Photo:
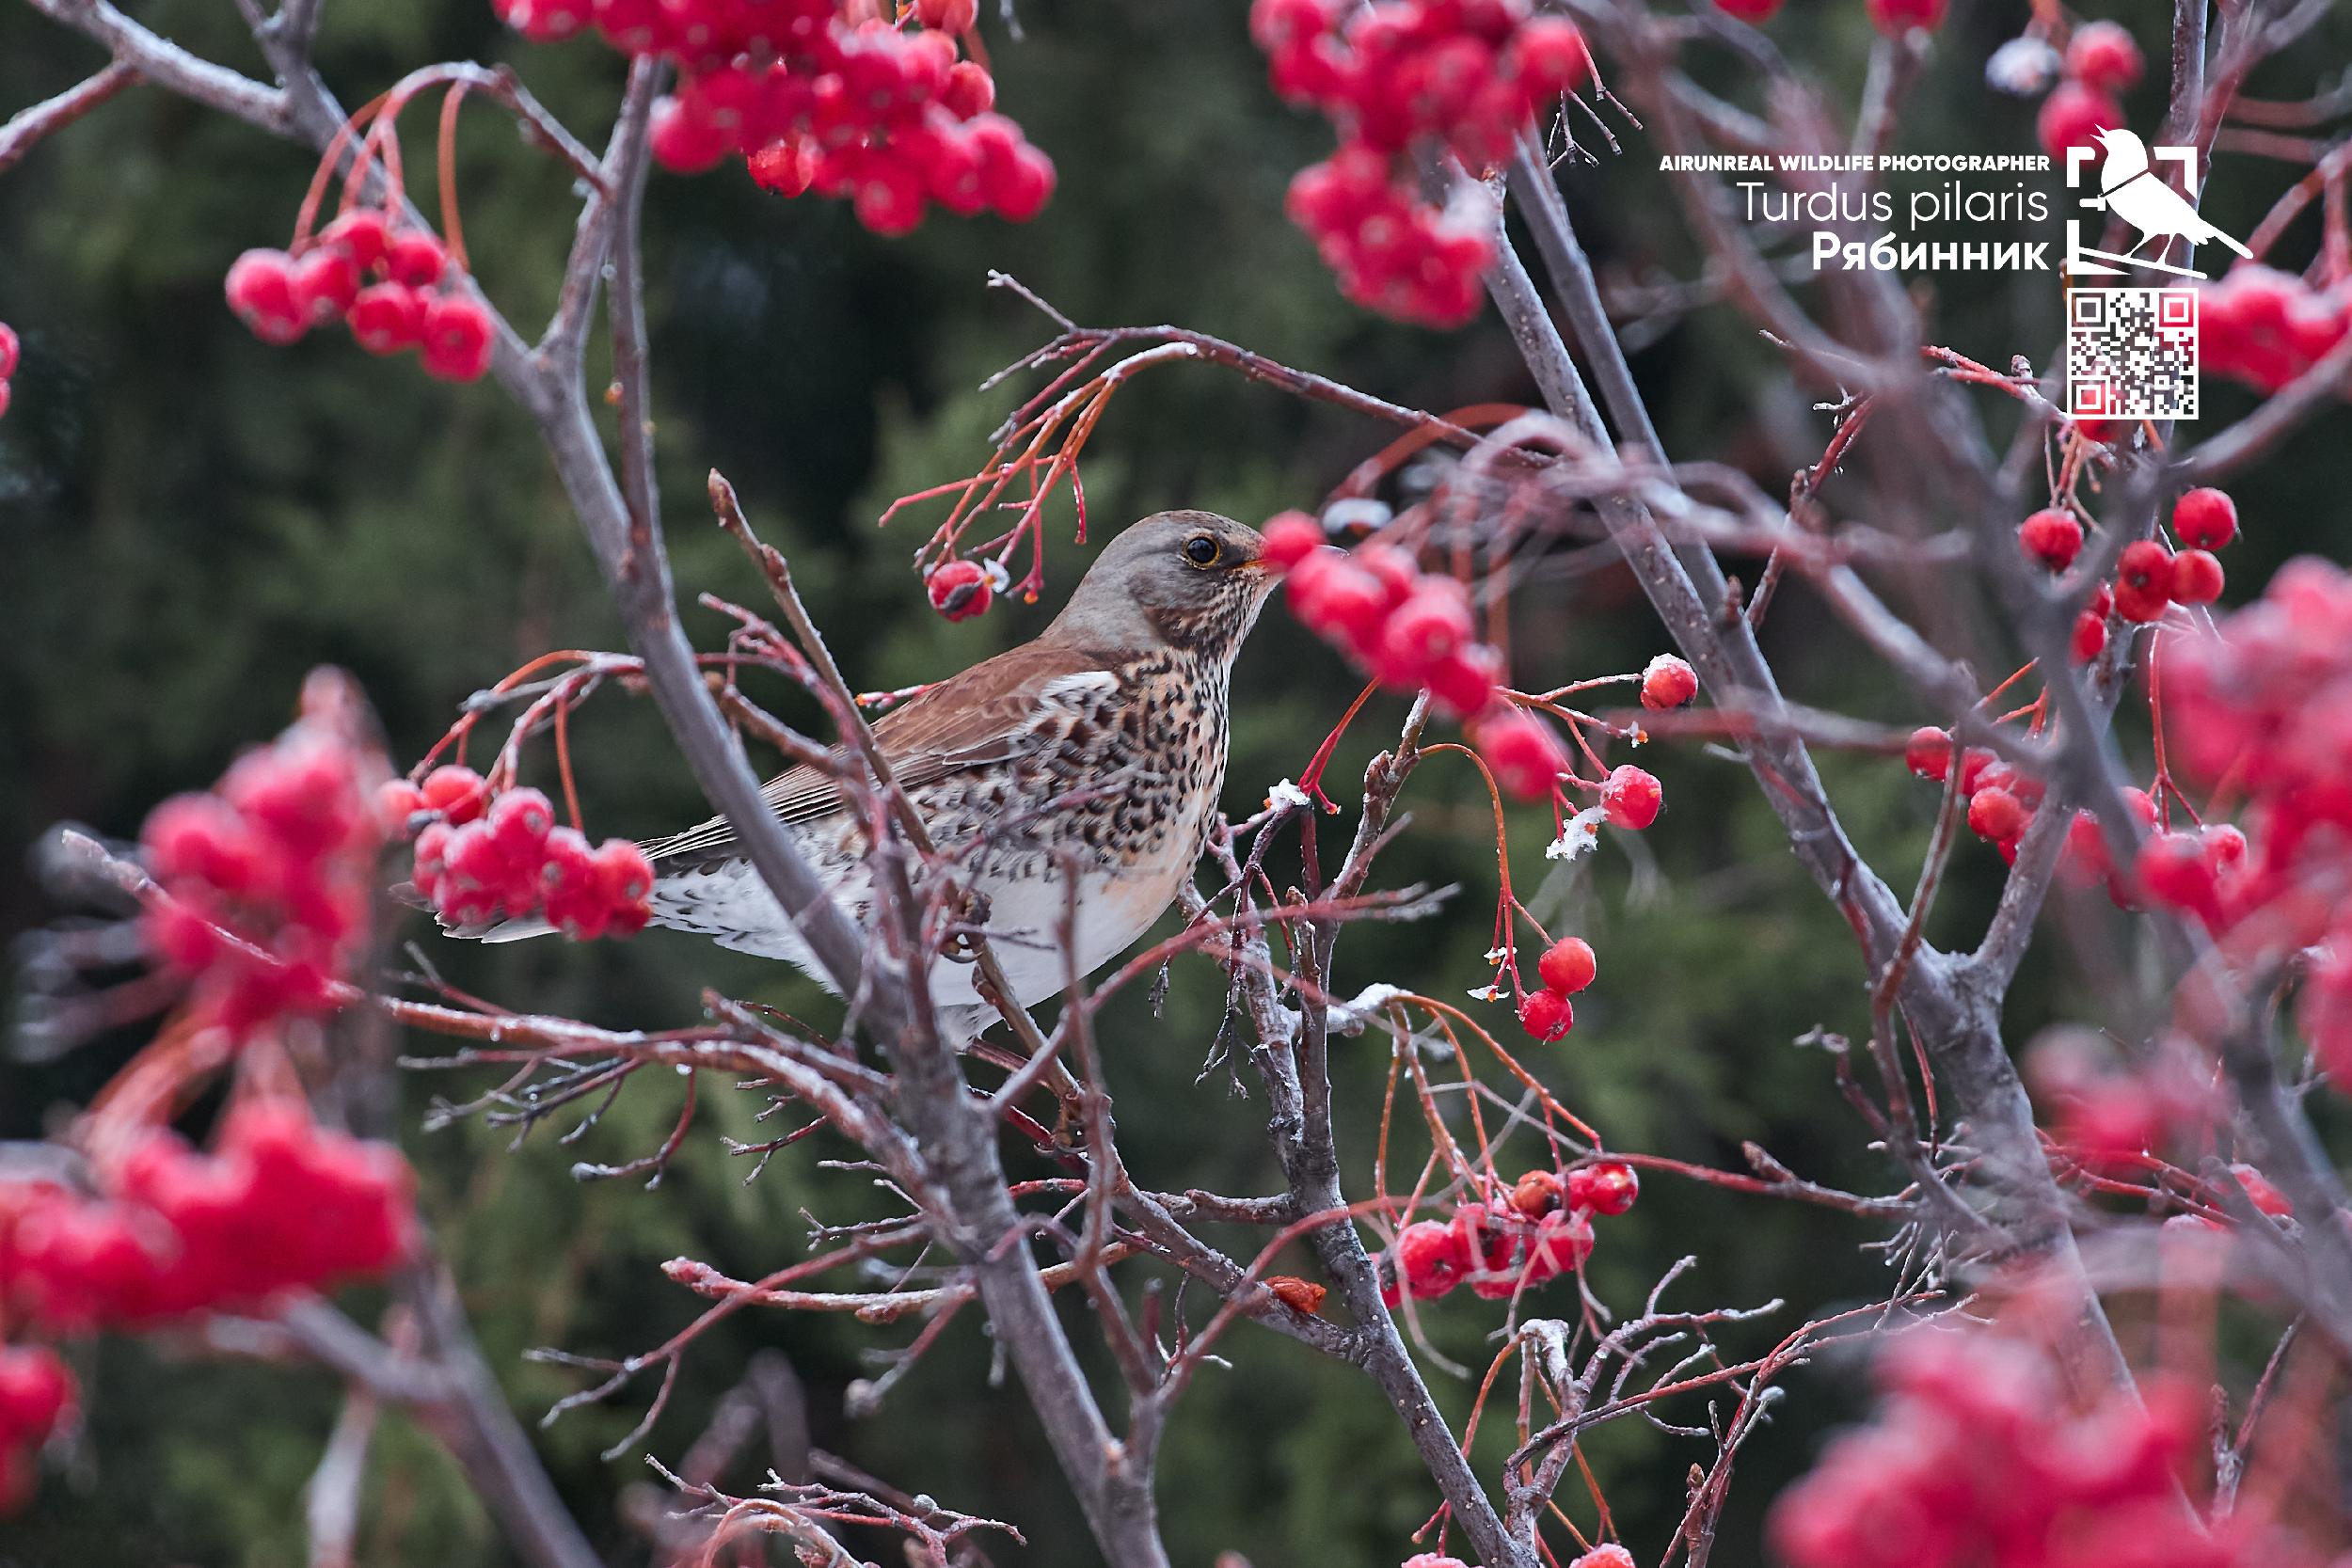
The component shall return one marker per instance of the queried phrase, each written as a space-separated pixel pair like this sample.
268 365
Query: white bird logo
2128 188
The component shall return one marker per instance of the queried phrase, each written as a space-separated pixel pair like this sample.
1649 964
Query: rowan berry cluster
1397 78
1409 629
1567 967
283 1206
269 877
396 286
8 353
890 117
1511 1240
35 1395
2101 1112
2263 704
2265 328
2101 61
1976 1457
482 858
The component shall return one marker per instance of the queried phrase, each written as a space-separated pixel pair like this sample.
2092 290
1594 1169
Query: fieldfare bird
1098 749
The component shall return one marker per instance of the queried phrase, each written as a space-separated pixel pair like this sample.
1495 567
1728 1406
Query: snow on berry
1667 681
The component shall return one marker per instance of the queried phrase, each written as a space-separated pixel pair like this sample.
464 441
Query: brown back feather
976 718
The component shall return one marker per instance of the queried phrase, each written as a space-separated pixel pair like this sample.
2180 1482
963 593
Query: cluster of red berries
8 352
2263 704
1510 1241
960 589
2101 1113
35 1395
481 858
2150 577
890 117
1409 629
1567 967
397 288
1976 1458
1394 77
269 878
2265 328
2101 61
283 1206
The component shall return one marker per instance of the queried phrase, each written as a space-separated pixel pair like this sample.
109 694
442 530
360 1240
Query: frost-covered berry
1668 683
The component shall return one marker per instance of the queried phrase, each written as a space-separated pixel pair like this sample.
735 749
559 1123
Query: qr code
2131 354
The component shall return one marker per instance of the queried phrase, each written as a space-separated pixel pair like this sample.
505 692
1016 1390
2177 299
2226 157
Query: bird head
1190 579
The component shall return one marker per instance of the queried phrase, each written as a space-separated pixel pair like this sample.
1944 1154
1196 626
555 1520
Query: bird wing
984 715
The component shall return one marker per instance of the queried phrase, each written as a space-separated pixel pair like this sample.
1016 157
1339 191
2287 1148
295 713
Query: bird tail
478 930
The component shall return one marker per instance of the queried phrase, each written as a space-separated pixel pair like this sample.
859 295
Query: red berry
1428 627
2197 577
2052 537
889 201
1020 190
362 233
1568 965
9 351
684 140
960 589
1535 1195
1928 753
970 91
2143 580
458 340
2261 1191
1750 10
396 801
2072 116
1668 683
1607 1188
2202 519
949 16
325 281
1524 754
1463 683
260 290
2102 55
1429 1259
2173 870
387 318
1632 798
457 792
1563 1239
1545 1015
1996 815
415 257
2091 636
4 397
35 1391
1552 58
624 876
785 166
1896 17
1291 537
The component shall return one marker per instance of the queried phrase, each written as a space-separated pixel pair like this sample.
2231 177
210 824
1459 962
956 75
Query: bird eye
1203 550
